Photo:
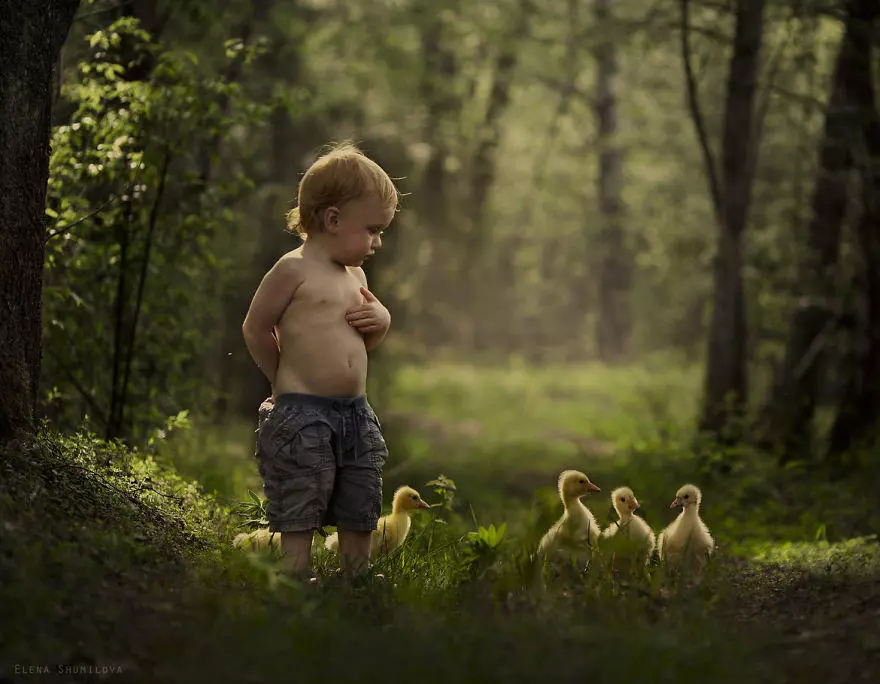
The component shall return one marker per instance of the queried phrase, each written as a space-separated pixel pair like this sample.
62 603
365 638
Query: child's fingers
362 308
363 316
362 323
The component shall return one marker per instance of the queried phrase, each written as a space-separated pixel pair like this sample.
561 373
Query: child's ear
331 219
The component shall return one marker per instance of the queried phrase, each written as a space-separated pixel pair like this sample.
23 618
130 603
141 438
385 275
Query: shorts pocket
307 450
276 429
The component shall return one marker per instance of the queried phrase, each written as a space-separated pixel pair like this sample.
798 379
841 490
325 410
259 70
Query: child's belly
326 357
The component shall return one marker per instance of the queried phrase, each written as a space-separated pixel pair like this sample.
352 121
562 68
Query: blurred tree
615 262
815 320
726 389
477 255
32 34
858 419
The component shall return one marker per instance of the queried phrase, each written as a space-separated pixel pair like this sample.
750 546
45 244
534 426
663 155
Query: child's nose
377 241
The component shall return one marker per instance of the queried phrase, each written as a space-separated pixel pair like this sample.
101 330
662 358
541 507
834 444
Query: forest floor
115 568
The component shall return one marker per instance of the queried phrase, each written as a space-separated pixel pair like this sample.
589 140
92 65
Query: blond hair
342 174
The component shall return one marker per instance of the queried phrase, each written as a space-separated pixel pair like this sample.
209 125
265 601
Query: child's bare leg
354 551
297 550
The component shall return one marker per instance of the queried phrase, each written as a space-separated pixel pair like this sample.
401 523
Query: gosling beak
634 504
592 487
676 504
423 504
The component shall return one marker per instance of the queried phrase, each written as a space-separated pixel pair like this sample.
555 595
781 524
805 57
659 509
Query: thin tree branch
697 115
154 213
119 310
63 229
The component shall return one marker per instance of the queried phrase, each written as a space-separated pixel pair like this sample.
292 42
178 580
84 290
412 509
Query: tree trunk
856 424
436 318
483 311
726 384
789 417
615 262
31 34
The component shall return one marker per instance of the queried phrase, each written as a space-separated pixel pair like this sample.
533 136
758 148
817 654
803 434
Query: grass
109 556
517 403
101 566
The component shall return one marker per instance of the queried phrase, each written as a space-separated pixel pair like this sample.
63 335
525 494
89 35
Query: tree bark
858 419
439 70
483 310
615 267
726 383
31 34
789 417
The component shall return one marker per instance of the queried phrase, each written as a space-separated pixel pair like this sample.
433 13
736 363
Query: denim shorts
321 460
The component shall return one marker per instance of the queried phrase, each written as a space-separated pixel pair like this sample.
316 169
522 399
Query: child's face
356 230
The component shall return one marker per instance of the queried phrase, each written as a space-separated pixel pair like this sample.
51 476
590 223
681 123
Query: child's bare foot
305 578
361 580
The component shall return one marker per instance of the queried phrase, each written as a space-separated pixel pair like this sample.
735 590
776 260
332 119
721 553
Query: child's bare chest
329 293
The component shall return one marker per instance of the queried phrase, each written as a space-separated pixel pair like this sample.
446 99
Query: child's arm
270 300
371 319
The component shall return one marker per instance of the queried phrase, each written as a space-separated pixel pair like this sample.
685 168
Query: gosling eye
413 497
581 481
622 499
685 496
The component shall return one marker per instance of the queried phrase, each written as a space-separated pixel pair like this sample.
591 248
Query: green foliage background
232 106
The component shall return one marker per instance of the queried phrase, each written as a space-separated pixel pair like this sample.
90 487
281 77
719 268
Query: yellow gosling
686 542
577 529
392 529
258 540
630 535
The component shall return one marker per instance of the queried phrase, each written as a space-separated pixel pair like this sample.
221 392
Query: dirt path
823 627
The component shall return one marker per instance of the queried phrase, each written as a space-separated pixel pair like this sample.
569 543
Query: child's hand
370 316
266 407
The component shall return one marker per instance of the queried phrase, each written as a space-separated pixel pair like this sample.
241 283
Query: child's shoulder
291 262
292 255
289 271
358 273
